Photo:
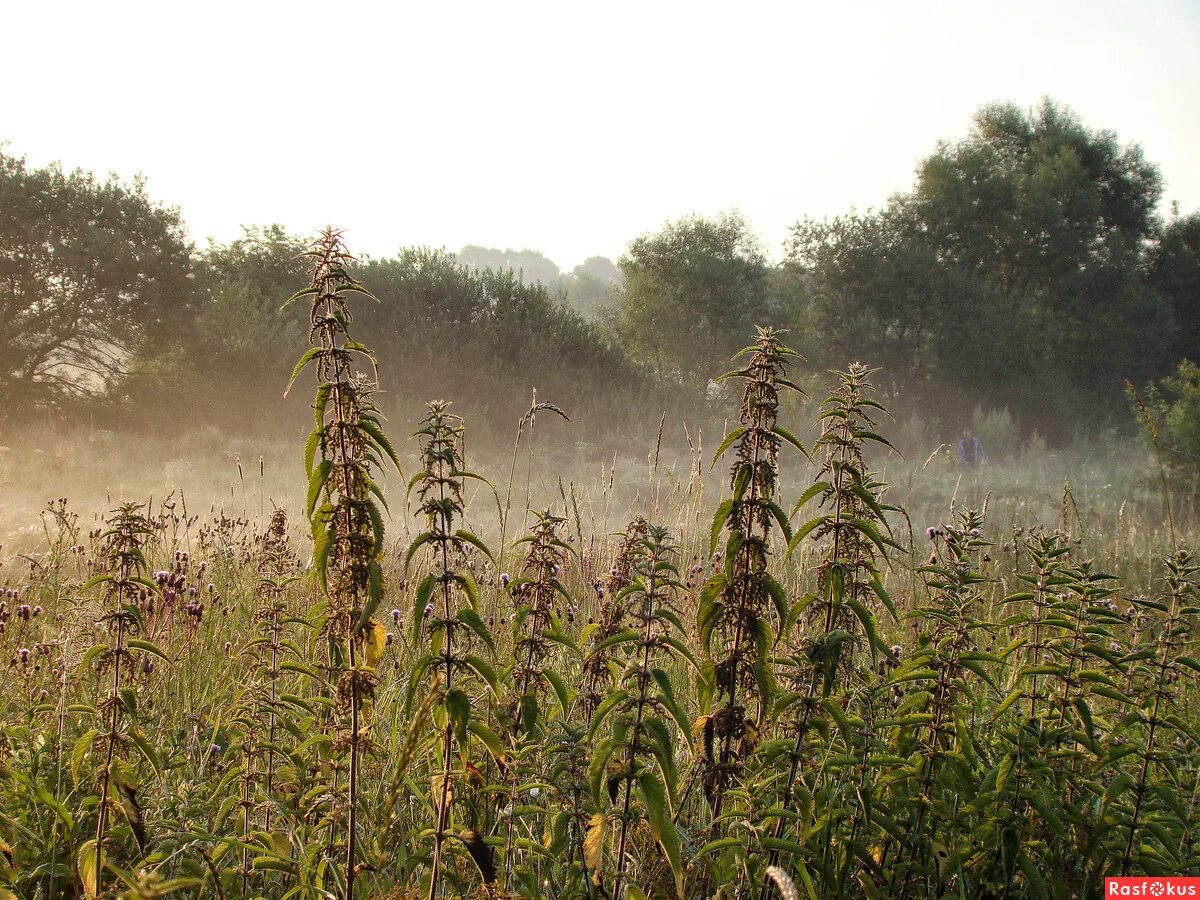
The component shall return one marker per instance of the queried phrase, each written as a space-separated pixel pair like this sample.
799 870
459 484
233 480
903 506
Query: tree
591 283
532 265
691 294
229 360
1058 218
1012 274
90 272
1175 274
1175 409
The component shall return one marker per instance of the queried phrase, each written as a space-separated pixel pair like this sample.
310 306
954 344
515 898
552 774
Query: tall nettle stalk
123 585
448 599
342 456
854 528
633 759
743 604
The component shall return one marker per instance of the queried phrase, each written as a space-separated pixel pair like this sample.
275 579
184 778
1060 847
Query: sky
567 127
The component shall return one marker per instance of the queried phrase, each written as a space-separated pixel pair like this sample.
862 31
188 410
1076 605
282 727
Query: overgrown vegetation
799 696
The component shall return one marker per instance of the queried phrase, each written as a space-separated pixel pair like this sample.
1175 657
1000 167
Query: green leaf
310 450
804 531
667 699
724 510
309 355
560 688
662 826
82 746
89 861
420 600
418 542
381 441
725 444
1004 771
1008 701
475 542
884 597
781 519
781 432
458 710
606 706
316 481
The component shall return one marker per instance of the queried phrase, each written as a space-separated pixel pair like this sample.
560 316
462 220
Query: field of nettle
795 696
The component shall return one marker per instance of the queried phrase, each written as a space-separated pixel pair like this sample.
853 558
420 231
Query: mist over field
856 567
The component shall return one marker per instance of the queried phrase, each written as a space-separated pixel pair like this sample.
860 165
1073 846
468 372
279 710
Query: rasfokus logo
1149 886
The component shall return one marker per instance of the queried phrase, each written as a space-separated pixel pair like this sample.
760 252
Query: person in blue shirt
970 451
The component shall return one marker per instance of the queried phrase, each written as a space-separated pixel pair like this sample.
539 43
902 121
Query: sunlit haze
569 128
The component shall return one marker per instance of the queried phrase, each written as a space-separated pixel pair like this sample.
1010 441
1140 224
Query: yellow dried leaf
593 845
88 862
374 642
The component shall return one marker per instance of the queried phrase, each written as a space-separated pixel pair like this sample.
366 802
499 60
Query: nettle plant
837 618
124 586
633 773
941 676
1157 817
743 605
447 611
344 452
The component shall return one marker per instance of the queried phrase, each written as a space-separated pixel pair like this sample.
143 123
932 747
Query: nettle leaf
88 862
804 531
593 845
374 643
309 355
458 709
724 510
727 443
382 442
662 825
560 688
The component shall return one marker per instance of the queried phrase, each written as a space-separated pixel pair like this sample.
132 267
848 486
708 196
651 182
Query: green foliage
978 719
344 509
743 605
688 292
1174 271
634 729
1174 404
90 272
451 616
1032 225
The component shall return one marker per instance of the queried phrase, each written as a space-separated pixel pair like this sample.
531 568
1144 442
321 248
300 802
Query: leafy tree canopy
90 272
690 294
1013 271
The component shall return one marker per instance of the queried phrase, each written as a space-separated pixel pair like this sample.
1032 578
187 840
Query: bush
1174 404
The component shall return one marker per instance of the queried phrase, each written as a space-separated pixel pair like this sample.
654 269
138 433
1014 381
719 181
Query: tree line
1028 267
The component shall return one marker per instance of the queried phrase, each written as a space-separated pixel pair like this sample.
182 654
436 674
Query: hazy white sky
568 127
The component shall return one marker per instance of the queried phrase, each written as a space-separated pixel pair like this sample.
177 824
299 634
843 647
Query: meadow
793 664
